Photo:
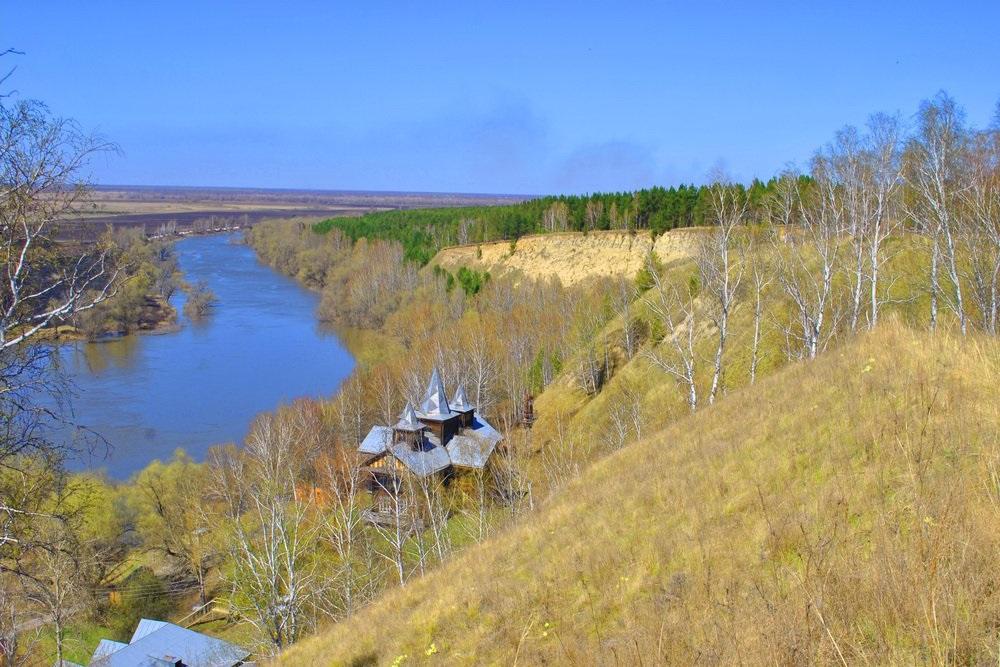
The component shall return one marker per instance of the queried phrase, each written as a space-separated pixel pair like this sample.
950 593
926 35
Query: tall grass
845 511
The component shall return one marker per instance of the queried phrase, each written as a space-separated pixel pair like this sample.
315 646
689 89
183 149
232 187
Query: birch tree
394 523
274 573
981 236
809 256
344 530
675 354
720 271
623 296
760 280
883 152
42 283
935 177
625 417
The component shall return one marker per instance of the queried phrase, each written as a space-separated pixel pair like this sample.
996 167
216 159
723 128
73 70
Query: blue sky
509 97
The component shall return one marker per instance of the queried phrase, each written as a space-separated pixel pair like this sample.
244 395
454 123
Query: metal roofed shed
157 643
145 627
107 647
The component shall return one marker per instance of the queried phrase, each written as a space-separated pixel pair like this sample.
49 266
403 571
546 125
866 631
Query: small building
162 644
439 438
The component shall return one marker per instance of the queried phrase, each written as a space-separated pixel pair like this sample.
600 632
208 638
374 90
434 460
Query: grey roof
459 402
483 429
473 447
107 647
145 627
408 419
424 461
169 643
470 448
470 451
377 440
434 404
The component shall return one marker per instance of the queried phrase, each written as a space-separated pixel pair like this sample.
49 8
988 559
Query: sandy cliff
572 257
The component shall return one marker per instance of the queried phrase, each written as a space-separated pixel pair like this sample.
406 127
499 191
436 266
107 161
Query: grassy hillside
844 510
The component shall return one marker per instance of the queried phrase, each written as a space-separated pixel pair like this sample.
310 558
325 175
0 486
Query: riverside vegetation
782 447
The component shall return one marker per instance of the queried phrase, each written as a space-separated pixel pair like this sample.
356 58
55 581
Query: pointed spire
459 402
435 403
408 419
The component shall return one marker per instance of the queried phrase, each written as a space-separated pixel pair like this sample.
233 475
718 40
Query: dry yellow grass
842 511
573 257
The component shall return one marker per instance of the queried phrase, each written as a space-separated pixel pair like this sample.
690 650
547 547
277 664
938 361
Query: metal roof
470 451
166 643
483 429
422 462
459 402
106 647
377 440
434 404
145 627
408 419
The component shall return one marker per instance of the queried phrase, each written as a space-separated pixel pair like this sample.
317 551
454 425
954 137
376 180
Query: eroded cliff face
573 257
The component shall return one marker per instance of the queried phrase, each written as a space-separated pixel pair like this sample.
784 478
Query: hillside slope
845 510
573 257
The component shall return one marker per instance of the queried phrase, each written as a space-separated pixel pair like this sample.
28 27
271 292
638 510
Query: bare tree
886 178
43 282
41 157
782 201
866 170
564 457
480 365
760 279
809 258
625 418
509 467
395 519
623 299
556 217
275 575
981 236
429 491
845 167
58 584
477 507
934 173
677 314
719 269
594 367
352 411
344 530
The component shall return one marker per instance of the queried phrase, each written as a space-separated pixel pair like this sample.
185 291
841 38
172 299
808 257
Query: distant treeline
422 232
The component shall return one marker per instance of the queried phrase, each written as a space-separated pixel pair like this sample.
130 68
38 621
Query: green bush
144 595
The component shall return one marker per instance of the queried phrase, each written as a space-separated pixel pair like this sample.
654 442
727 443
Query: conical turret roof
459 402
435 403
408 419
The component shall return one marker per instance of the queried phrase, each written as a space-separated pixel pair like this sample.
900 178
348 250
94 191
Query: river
260 347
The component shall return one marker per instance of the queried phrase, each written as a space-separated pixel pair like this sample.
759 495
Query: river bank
204 382
157 316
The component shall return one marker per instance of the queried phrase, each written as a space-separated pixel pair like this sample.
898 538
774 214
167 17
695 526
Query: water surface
261 346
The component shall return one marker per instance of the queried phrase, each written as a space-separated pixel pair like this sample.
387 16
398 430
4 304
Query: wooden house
439 438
